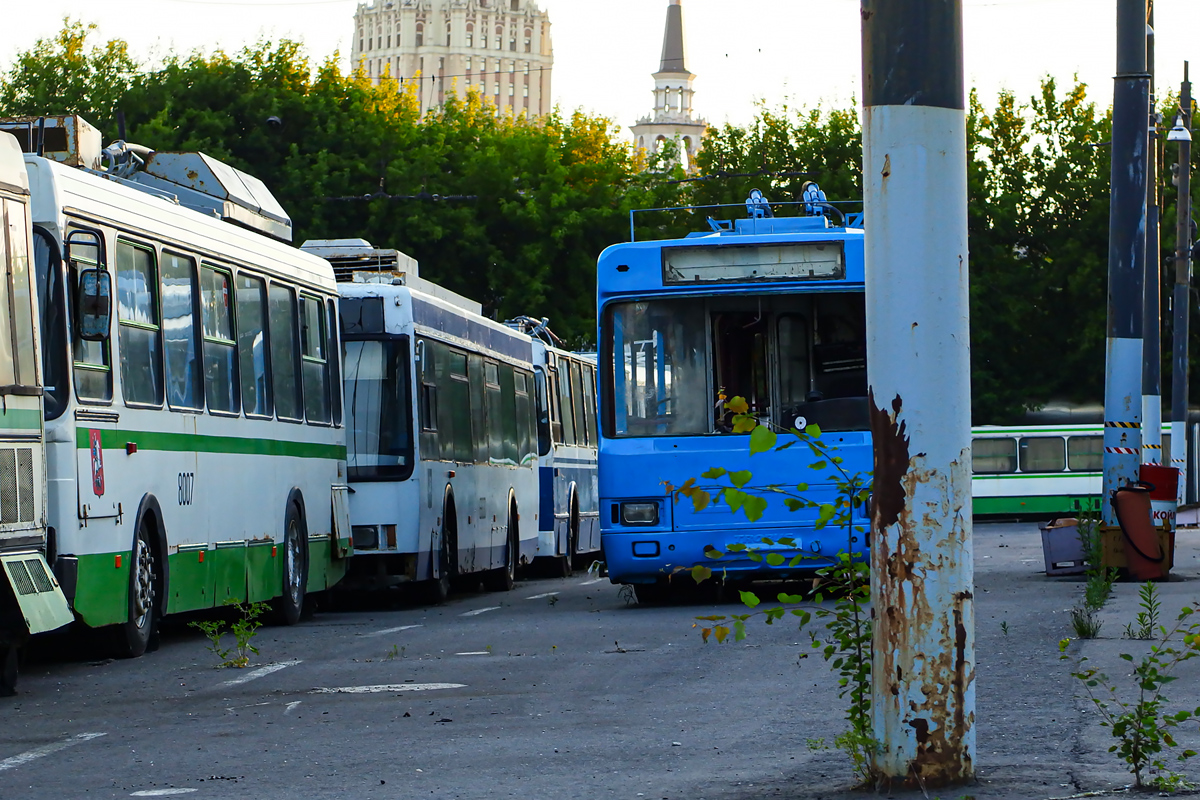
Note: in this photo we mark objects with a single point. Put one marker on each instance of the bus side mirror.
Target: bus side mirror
(94, 304)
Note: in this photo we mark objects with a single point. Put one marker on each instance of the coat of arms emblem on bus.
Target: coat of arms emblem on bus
(97, 463)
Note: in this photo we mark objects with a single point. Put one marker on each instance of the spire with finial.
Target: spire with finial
(673, 92)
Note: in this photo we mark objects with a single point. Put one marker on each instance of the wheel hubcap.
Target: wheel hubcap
(143, 566)
(292, 557)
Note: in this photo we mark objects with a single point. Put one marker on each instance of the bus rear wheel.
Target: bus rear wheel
(290, 604)
(505, 578)
(132, 637)
(565, 566)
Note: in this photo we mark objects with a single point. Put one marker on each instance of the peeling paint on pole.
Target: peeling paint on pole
(918, 356)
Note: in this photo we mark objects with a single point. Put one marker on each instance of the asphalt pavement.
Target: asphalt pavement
(563, 688)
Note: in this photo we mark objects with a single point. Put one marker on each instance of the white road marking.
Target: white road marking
(589, 583)
(540, 596)
(387, 688)
(45, 750)
(479, 611)
(162, 792)
(292, 705)
(474, 653)
(393, 630)
(251, 705)
(260, 673)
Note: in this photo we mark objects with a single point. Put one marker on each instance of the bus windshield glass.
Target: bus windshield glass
(796, 359)
(378, 431)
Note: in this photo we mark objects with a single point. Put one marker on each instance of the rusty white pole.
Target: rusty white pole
(918, 356)
(1126, 255)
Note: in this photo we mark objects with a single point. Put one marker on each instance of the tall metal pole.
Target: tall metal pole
(1152, 451)
(918, 356)
(1180, 301)
(1126, 255)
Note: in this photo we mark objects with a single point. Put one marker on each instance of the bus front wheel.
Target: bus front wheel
(443, 584)
(133, 636)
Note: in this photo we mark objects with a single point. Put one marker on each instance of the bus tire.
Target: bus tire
(8, 670)
(447, 565)
(289, 606)
(505, 578)
(132, 637)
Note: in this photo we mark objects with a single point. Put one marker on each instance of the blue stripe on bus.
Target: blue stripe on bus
(458, 324)
(546, 500)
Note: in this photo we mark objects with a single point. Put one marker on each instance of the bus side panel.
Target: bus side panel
(191, 586)
(264, 573)
(102, 594)
(525, 488)
(227, 569)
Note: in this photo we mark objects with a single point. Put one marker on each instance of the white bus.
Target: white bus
(567, 481)
(30, 598)
(441, 439)
(195, 449)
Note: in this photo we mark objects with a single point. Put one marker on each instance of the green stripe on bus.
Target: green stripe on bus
(195, 442)
(21, 419)
(1053, 504)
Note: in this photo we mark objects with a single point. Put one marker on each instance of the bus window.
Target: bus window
(52, 305)
(739, 353)
(137, 312)
(582, 435)
(220, 351)
(281, 306)
(543, 411)
(1085, 453)
(526, 445)
(429, 398)
(92, 367)
(8, 358)
(564, 402)
(552, 404)
(22, 316)
(657, 368)
(314, 363)
(509, 412)
(179, 332)
(1043, 454)
(334, 362)
(589, 405)
(252, 346)
(993, 456)
(479, 431)
(495, 412)
(379, 438)
(795, 381)
(458, 403)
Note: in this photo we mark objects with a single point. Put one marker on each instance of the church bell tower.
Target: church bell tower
(673, 93)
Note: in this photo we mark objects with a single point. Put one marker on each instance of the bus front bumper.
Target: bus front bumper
(649, 556)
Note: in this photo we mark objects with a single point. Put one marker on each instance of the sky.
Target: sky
(798, 52)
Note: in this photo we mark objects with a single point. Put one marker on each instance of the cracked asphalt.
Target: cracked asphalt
(560, 689)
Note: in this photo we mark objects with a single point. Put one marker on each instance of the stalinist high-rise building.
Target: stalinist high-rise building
(673, 92)
(502, 48)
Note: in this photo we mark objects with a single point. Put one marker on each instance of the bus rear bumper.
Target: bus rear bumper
(645, 557)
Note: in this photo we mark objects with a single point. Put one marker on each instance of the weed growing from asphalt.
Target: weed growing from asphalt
(1145, 625)
(1004, 627)
(243, 630)
(1098, 589)
(848, 628)
(1138, 716)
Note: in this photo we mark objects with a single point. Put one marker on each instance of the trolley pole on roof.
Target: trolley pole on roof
(1126, 255)
(1152, 449)
(918, 357)
(1181, 302)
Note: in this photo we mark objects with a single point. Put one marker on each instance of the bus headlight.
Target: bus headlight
(639, 513)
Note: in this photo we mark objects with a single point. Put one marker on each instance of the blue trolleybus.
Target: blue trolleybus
(766, 308)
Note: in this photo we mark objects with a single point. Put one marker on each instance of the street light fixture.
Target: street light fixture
(1179, 133)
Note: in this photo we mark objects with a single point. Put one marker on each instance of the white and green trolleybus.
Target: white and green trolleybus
(195, 448)
(30, 598)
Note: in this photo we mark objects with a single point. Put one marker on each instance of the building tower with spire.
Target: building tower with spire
(673, 92)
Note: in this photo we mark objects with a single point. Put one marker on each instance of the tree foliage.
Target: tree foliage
(514, 212)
